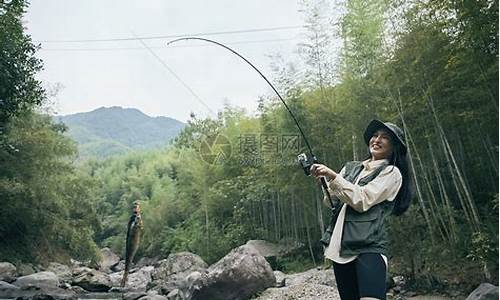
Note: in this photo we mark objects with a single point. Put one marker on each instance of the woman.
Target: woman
(368, 192)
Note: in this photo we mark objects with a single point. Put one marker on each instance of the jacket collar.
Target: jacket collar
(372, 164)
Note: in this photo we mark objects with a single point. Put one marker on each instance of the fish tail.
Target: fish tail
(124, 278)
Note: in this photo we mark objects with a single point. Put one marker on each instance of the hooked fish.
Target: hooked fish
(134, 231)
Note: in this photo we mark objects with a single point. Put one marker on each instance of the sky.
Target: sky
(174, 80)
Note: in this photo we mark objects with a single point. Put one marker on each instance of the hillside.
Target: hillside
(107, 131)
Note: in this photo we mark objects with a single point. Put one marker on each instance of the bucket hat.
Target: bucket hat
(396, 132)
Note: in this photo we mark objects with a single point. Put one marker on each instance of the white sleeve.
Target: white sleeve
(384, 187)
(325, 199)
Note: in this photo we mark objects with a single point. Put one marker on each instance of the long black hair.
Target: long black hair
(399, 158)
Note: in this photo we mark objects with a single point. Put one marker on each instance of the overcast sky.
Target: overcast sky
(125, 73)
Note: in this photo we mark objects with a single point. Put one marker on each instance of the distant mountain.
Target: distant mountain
(114, 130)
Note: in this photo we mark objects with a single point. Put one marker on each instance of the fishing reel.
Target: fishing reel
(306, 162)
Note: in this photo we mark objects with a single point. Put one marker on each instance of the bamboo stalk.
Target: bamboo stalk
(414, 174)
(444, 195)
(455, 170)
(432, 203)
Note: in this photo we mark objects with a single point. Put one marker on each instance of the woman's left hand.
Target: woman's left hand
(318, 170)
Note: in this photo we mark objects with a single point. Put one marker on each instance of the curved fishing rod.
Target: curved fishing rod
(306, 163)
(260, 73)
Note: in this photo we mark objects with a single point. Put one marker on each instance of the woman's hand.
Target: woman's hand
(318, 170)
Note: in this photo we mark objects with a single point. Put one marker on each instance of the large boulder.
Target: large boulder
(33, 292)
(240, 274)
(63, 272)
(137, 281)
(109, 259)
(7, 272)
(172, 272)
(40, 279)
(4, 286)
(42, 285)
(91, 280)
(176, 263)
(485, 291)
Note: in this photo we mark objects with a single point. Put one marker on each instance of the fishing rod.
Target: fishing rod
(305, 161)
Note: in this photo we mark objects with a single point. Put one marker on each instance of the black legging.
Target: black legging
(362, 277)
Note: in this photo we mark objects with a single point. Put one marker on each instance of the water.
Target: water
(97, 296)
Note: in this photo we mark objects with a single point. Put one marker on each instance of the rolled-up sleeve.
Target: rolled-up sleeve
(384, 187)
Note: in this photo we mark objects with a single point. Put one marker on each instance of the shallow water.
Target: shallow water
(97, 296)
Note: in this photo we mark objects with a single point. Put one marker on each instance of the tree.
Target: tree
(19, 89)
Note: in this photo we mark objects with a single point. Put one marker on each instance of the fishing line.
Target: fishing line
(176, 77)
(306, 163)
(260, 73)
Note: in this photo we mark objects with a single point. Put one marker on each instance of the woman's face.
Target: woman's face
(380, 145)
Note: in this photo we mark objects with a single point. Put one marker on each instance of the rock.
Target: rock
(7, 272)
(93, 281)
(426, 297)
(65, 285)
(148, 261)
(176, 263)
(195, 278)
(7, 286)
(40, 279)
(316, 276)
(109, 259)
(133, 295)
(78, 289)
(302, 291)
(76, 263)
(485, 291)
(153, 297)
(39, 293)
(117, 289)
(80, 270)
(172, 272)
(240, 274)
(25, 269)
(409, 294)
(137, 281)
(63, 272)
(175, 295)
(269, 250)
(265, 248)
(280, 278)
(399, 280)
(119, 266)
(103, 296)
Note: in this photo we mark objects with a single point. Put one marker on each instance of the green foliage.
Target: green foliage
(19, 89)
(47, 204)
(47, 208)
(482, 247)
